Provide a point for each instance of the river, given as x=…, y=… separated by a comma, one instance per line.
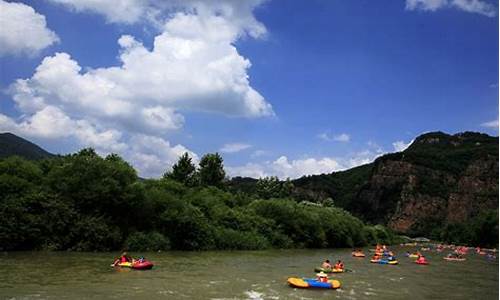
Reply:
x=240, y=275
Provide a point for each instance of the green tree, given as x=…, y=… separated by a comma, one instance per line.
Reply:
x=268, y=187
x=212, y=170
x=183, y=171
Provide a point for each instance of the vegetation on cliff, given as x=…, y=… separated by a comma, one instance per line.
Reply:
x=443, y=187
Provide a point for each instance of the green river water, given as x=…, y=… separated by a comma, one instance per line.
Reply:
x=240, y=275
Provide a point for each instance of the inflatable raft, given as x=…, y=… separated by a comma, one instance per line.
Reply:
x=145, y=265
x=384, y=261
x=453, y=259
x=358, y=254
x=329, y=270
x=422, y=262
x=312, y=283
x=413, y=256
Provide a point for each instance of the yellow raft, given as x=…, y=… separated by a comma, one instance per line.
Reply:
x=312, y=283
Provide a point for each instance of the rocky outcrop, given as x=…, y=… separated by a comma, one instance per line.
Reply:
x=429, y=198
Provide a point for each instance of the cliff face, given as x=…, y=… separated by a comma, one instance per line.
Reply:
x=469, y=194
x=423, y=188
x=440, y=179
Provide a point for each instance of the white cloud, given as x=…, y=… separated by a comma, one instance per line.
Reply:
x=491, y=124
x=150, y=155
x=343, y=137
x=52, y=123
x=193, y=65
x=401, y=145
x=234, y=147
x=23, y=30
x=431, y=5
x=285, y=168
x=471, y=6
x=156, y=12
x=153, y=155
x=361, y=158
x=253, y=170
x=259, y=153
x=476, y=6
x=118, y=11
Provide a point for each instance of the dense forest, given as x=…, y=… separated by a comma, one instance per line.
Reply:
x=84, y=202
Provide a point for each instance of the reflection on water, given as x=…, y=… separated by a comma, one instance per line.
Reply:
x=240, y=275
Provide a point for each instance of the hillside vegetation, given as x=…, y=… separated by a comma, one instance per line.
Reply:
x=443, y=186
x=11, y=144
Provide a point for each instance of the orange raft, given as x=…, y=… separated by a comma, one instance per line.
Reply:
x=358, y=254
x=453, y=259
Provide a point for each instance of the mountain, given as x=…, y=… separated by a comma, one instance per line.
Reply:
x=11, y=144
x=440, y=182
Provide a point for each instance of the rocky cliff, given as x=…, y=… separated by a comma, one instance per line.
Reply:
x=439, y=180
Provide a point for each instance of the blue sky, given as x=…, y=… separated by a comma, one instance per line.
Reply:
x=287, y=89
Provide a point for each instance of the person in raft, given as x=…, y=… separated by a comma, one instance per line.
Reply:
x=454, y=255
x=339, y=265
x=421, y=259
x=326, y=264
x=123, y=259
x=322, y=277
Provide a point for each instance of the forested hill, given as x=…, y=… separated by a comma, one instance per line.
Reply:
x=85, y=202
x=11, y=144
x=443, y=186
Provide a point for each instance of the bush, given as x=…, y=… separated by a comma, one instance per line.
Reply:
x=151, y=241
x=230, y=239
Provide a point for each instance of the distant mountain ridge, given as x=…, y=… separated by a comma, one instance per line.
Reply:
x=439, y=181
x=11, y=144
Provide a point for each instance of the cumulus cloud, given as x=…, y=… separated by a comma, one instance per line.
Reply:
x=284, y=168
x=121, y=11
x=471, y=6
x=52, y=123
x=401, y=145
x=154, y=155
x=343, y=137
x=156, y=12
x=234, y=147
x=491, y=124
x=23, y=30
x=192, y=65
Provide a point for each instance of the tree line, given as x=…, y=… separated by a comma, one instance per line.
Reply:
x=85, y=202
